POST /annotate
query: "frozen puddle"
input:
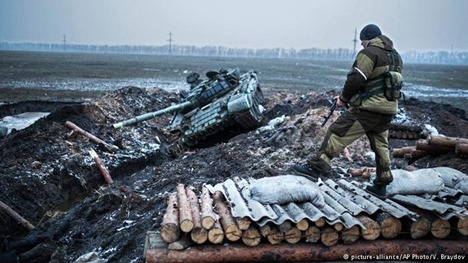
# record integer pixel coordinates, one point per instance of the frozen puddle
(20, 121)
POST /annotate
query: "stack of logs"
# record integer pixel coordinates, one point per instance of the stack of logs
(433, 145)
(405, 132)
(189, 219)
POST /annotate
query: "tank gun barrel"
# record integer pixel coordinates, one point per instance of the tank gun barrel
(201, 94)
(150, 115)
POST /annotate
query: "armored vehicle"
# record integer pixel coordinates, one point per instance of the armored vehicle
(225, 99)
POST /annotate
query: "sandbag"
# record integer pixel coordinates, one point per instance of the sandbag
(454, 178)
(421, 181)
(284, 189)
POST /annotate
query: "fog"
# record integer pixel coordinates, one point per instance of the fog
(419, 25)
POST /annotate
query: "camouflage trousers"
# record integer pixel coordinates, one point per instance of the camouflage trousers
(351, 125)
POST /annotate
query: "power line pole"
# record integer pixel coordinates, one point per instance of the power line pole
(170, 42)
(354, 42)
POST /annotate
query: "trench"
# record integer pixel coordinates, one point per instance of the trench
(74, 180)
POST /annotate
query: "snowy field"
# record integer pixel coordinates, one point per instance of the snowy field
(38, 75)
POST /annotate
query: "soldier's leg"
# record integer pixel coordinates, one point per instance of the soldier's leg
(379, 144)
(341, 133)
(345, 130)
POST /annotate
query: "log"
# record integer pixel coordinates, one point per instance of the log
(251, 236)
(462, 226)
(170, 223)
(9, 211)
(390, 226)
(329, 237)
(285, 226)
(409, 152)
(303, 225)
(461, 149)
(350, 235)
(338, 227)
(372, 228)
(420, 227)
(293, 235)
(243, 223)
(404, 127)
(101, 167)
(275, 236)
(152, 241)
(185, 213)
(440, 228)
(423, 145)
(413, 135)
(312, 234)
(207, 214)
(320, 222)
(199, 234)
(183, 243)
(286, 252)
(404, 135)
(107, 146)
(443, 141)
(397, 134)
(231, 230)
(414, 155)
(265, 230)
(400, 152)
(364, 171)
(216, 233)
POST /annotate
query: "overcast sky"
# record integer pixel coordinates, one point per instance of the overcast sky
(412, 24)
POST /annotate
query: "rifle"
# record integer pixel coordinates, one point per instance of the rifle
(332, 109)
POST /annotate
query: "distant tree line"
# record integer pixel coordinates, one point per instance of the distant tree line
(431, 57)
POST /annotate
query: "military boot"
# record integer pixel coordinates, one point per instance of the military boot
(379, 187)
(383, 177)
(314, 168)
(307, 170)
(378, 190)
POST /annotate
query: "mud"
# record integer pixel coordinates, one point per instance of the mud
(48, 176)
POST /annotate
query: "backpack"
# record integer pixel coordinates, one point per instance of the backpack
(393, 80)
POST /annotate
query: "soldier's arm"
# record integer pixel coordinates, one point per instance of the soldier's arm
(356, 78)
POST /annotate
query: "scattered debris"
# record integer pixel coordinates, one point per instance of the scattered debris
(75, 211)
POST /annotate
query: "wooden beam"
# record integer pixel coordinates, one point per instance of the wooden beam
(307, 252)
(4, 207)
(231, 230)
(207, 214)
(75, 128)
(170, 224)
(101, 167)
(185, 213)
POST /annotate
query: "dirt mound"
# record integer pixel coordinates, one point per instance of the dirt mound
(48, 176)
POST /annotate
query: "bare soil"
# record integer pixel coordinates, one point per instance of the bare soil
(48, 176)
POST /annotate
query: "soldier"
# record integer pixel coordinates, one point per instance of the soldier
(371, 91)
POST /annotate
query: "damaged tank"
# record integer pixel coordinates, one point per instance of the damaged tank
(225, 99)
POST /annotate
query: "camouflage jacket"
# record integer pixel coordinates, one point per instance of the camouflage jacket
(370, 64)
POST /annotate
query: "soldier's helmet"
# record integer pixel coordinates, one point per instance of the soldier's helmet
(192, 77)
